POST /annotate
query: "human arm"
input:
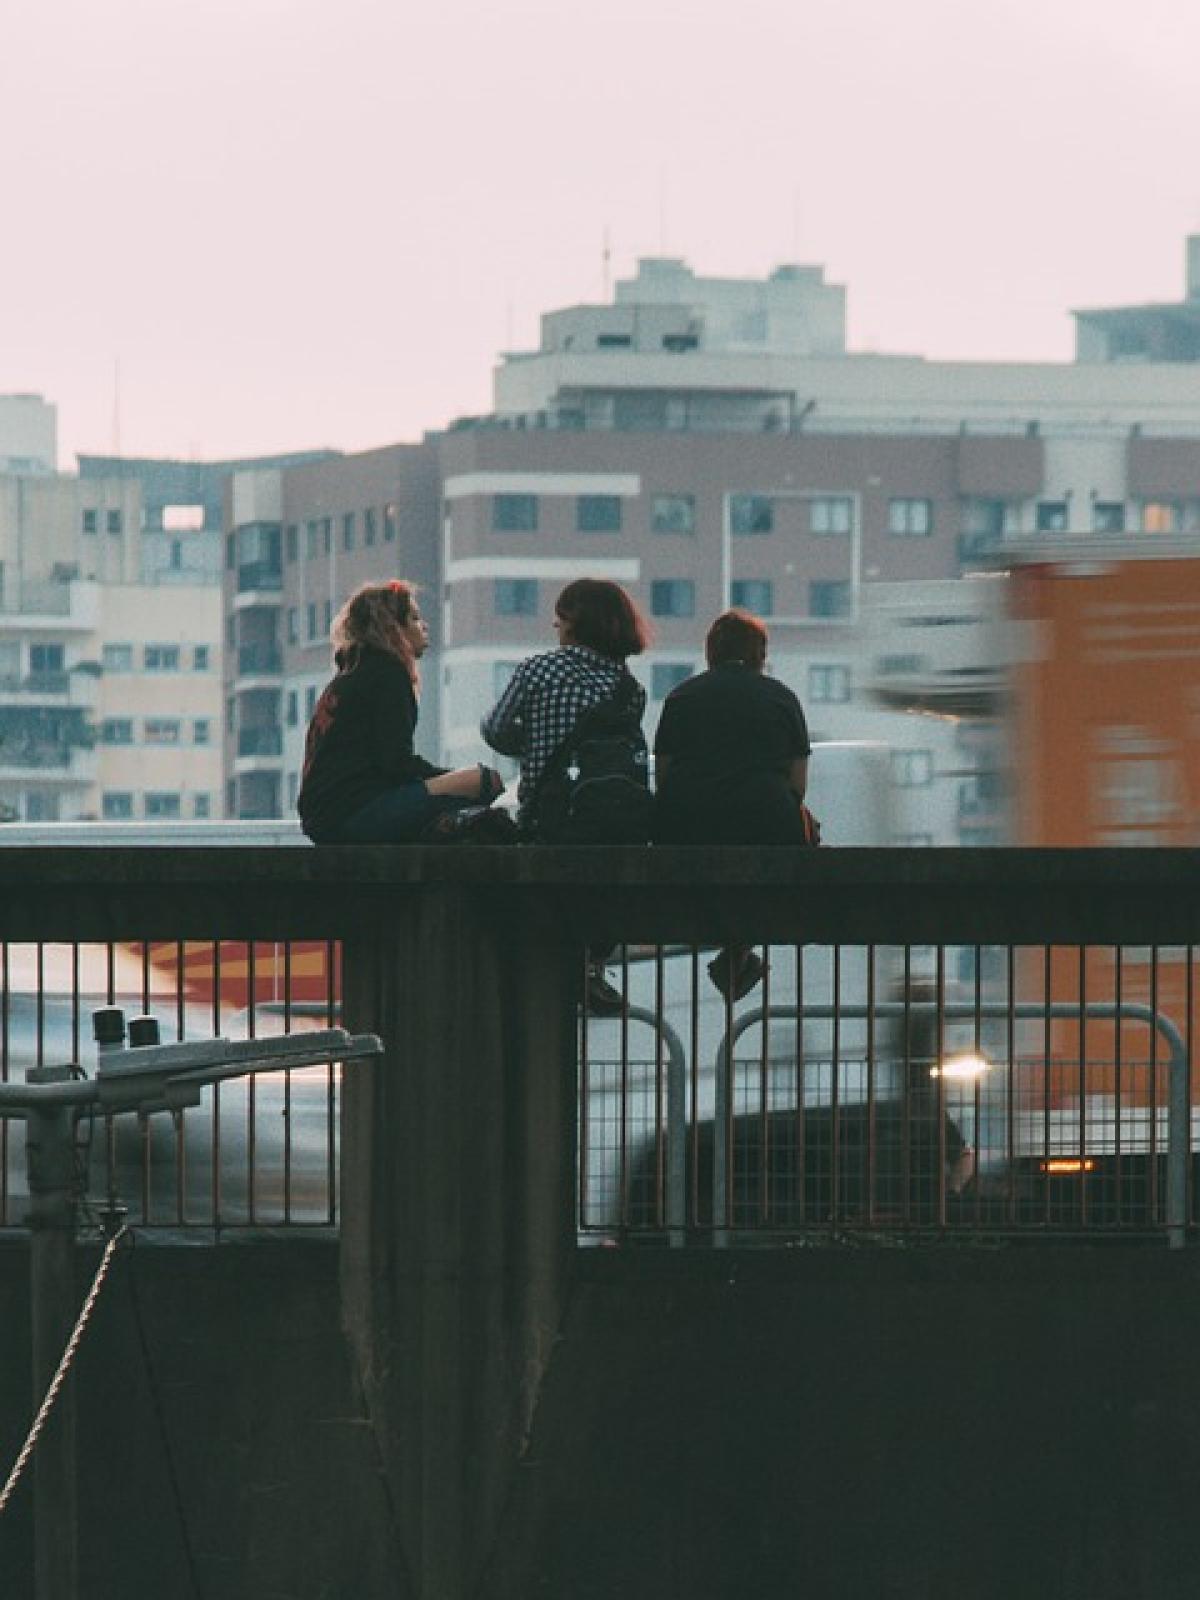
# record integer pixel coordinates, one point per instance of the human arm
(797, 777)
(504, 728)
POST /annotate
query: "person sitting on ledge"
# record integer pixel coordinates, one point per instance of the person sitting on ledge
(599, 627)
(731, 764)
(362, 781)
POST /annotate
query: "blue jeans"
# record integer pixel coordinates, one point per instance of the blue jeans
(398, 816)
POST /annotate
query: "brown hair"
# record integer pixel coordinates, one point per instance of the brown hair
(603, 618)
(373, 618)
(736, 636)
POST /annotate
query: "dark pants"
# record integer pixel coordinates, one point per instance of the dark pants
(398, 816)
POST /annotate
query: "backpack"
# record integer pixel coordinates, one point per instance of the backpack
(595, 788)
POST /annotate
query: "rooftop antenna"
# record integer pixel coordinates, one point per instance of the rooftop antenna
(662, 212)
(605, 266)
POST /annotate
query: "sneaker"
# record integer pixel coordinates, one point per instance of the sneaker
(604, 999)
(746, 975)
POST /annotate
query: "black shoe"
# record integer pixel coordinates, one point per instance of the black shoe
(604, 999)
(485, 825)
(736, 984)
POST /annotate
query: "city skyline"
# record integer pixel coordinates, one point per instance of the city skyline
(281, 236)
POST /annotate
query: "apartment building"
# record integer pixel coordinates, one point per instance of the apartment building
(110, 630)
(711, 442)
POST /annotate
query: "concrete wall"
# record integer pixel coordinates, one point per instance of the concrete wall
(220, 1438)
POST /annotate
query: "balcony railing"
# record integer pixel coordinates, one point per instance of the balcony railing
(259, 575)
(977, 1042)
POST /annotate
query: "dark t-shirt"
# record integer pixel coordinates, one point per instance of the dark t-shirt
(730, 736)
(359, 743)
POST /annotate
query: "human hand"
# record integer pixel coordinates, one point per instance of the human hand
(491, 785)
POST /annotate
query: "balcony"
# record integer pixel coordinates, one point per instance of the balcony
(256, 579)
(264, 741)
(259, 660)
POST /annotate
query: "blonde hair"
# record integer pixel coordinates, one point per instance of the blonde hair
(373, 619)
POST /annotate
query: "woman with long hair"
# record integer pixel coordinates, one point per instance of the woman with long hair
(363, 783)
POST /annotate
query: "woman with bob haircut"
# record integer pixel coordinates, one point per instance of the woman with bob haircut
(598, 628)
(731, 763)
(362, 781)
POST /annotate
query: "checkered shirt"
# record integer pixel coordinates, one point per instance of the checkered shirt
(544, 700)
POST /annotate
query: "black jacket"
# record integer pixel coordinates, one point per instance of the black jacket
(360, 741)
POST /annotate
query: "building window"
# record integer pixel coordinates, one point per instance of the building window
(201, 731)
(912, 769)
(113, 522)
(828, 685)
(514, 513)
(231, 717)
(515, 597)
(910, 518)
(328, 610)
(47, 661)
(293, 625)
(390, 524)
(673, 513)
(312, 619)
(349, 531)
(116, 805)
(310, 701)
(666, 676)
(985, 518)
(327, 536)
(292, 541)
(751, 513)
(831, 514)
(161, 658)
(598, 513)
(829, 597)
(116, 730)
(1162, 516)
(162, 804)
(1051, 516)
(161, 730)
(293, 788)
(230, 551)
(1108, 516)
(753, 594)
(117, 658)
(293, 708)
(369, 525)
(673, 597)
(200, 658)
(89, 522)
(202, 807)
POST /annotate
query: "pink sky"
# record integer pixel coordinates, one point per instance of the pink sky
(306, 222)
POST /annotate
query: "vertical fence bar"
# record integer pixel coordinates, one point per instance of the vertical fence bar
(585, 1092)
(906, 1129)
(1152, 1197)
(660, 1207)
(1083, 1090)
(801, 1133)
(871, 1157)
(835, 1056)
(1118, 1087)
(287, 1081)
(1047, 1044)
(333, 1005)
(216, 1089)
(251, 1086)
(939, 1051)
(694, 1039)
(4, 1077)
(764, 1094)
(1010, 1115)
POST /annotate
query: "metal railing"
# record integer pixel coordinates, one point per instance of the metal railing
(876, 1093)
(254, 1152)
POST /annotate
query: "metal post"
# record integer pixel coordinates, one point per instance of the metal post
(50, 1157)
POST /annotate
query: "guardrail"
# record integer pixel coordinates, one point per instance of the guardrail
(824, 1101)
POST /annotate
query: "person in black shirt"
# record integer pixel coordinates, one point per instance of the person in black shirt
(731, 763)
(362, 781)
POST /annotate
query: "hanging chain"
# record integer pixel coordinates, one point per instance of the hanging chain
(64, 1366)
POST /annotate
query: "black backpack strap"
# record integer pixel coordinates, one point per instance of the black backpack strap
(623, 698)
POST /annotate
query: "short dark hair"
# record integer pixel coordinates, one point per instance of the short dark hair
(603, 618)
(736, 636)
